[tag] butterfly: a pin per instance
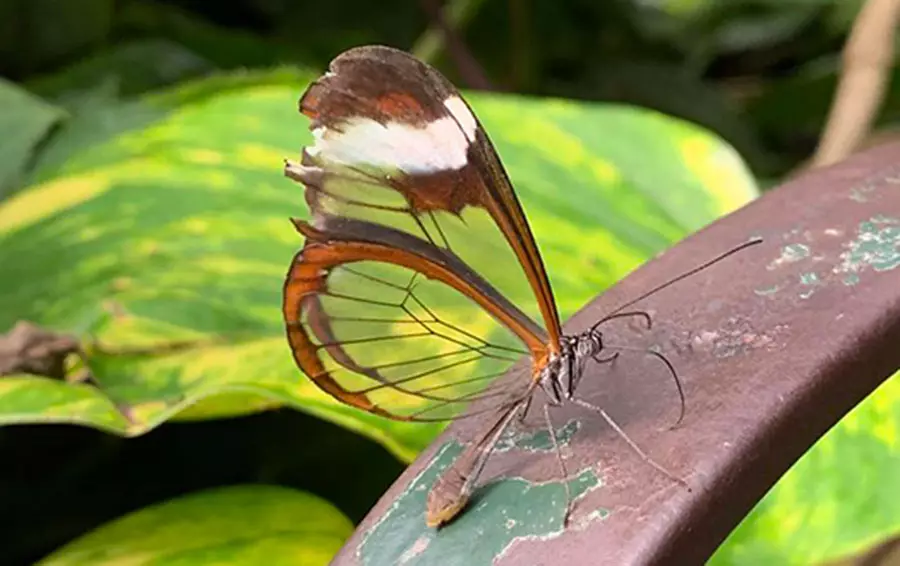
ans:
(400, 301)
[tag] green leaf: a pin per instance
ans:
(25, 120)
(836, 501)
(232, 525)
(95, 117)
(99, 115)
(169, 244)
(686, 95)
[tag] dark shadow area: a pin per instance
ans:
(58, 482)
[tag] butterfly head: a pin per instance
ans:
(560, 376)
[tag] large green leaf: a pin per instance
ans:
(24, 121)
(99, 115)
(234, 525)
(178, 231)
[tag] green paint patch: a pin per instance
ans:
(537, 440)
(790, 253)
(876, 246)
(768, 291)
(809, 282)
(500, 513)
(795, 252)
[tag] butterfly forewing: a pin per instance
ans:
(419, 281)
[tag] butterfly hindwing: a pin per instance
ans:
(404, 343)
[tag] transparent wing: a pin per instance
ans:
(403, 343)
(419, 281)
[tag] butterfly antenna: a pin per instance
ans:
(686, 274)
(618, 313)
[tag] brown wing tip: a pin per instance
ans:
(441, 510)
(319, 97)
(307, 229)
(366, 51)
(298, 224)
(309, 101)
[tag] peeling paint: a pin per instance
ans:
(767, 291)
(851, 279)
(596, 514)
(736, 335)
(862, 191)
(578, 523)
(537, 440)
(810, 282)
(876, 246)
(790, 253)
(502, 512)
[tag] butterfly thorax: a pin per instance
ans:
(560, 377)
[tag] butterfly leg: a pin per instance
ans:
(561, 462)
(644, 456)
(520, 425)
(450, 492)
(521, 418)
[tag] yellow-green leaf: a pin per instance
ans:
(234, 525)
(837, 501)
(169, 243)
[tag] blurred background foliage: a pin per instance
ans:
(93, 91)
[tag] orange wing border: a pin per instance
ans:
(322, 252)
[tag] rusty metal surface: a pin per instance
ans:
(774, 345)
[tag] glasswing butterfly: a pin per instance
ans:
(401, 301)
